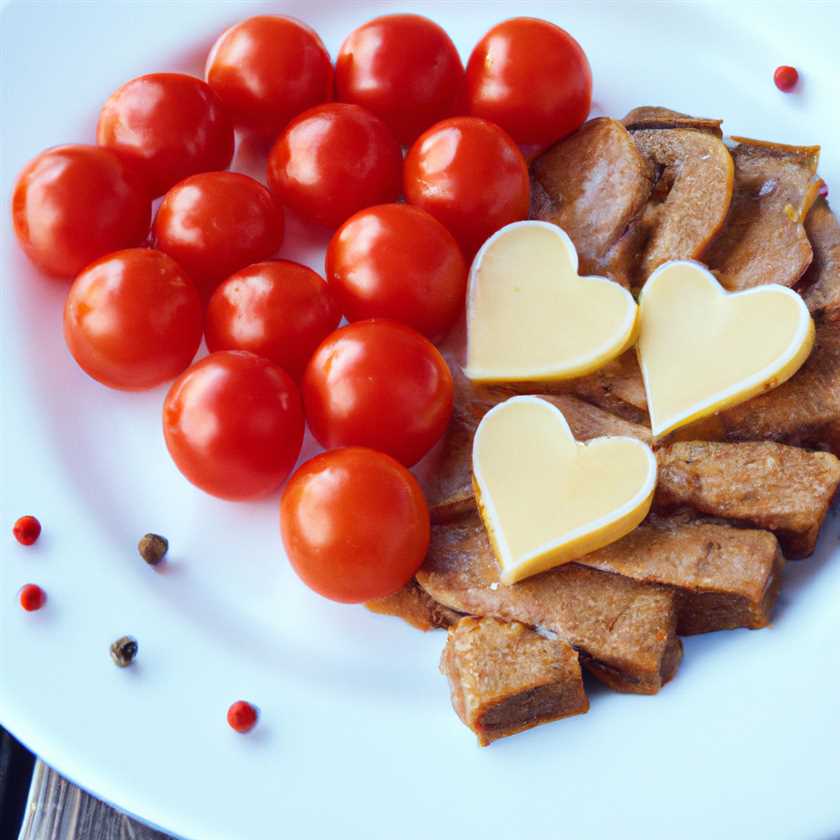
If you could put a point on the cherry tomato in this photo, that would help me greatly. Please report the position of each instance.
(531, 78)
(267, 69)
(396, 261)
(133, 319)
(233, 425)
(378, 384)
(470, 176)
(403, 68)
(355, 524)
(216, 223)
(332, 161)
(170, 124)
(73, 204)
(280, 310)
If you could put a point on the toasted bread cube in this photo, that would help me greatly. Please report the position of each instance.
(505, 677)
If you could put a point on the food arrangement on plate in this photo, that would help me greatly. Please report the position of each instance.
(641, 426)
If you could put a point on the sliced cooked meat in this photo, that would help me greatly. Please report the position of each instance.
(768, 485)
(804, 411)
(626, 629)
(448, 481)
(764, 239)
(654, 116)
(723, 577)
(617, 387)
(504, 678)
(592, 184)
(690, 199)
(821, 283)
(416, 607)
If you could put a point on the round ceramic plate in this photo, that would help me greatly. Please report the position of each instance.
(356, 736)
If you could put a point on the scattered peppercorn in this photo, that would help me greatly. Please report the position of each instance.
(153, 548)
(823, 190)
(27, 530)
(786, 78)
(242, 716)
(32, 597)
(124, 651)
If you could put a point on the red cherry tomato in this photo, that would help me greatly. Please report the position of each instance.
(233, 425)
(378, 384)
(280, 310)
(133, 319)
(355, 524)
(396, 261)
(267, 69)
(170, 124)
(216, 223)
(403, 68)
(73, 204)
(332, 161)
(531, 78)
(470, 176)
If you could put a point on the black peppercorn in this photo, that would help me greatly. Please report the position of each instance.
(153, 548)
(123, 651)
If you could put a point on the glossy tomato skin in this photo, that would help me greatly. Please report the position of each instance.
(233, 425)
(403, 68)
(381, 385)
(470, 176)
(279, 309)
(170, 125)
(397, 261)
(355, 524)
(532, 78)
(215, 223)
(268, 69)
(332, 161)
(73, 204)
(133, 319)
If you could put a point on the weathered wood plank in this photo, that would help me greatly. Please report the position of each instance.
(58, 810)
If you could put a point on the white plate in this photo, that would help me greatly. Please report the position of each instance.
(356, 737)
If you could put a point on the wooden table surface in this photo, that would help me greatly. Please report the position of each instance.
(58, 810)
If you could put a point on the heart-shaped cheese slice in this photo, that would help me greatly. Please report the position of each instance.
(545, 498)
(531, 317)
(702, 349)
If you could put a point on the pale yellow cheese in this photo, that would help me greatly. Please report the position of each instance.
(702, 349)
(531, 317)
(545, 498)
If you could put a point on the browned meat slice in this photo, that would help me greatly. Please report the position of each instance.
(447, 482)
(448, 487)
(617, 387)
(764, 239)
(690, 199)
(653, 116)
(723, 577)
(625, 630)
(592, 184)
(804, 411)
(784, 489)
(821, 283)
(505, 678)
(416, 607)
